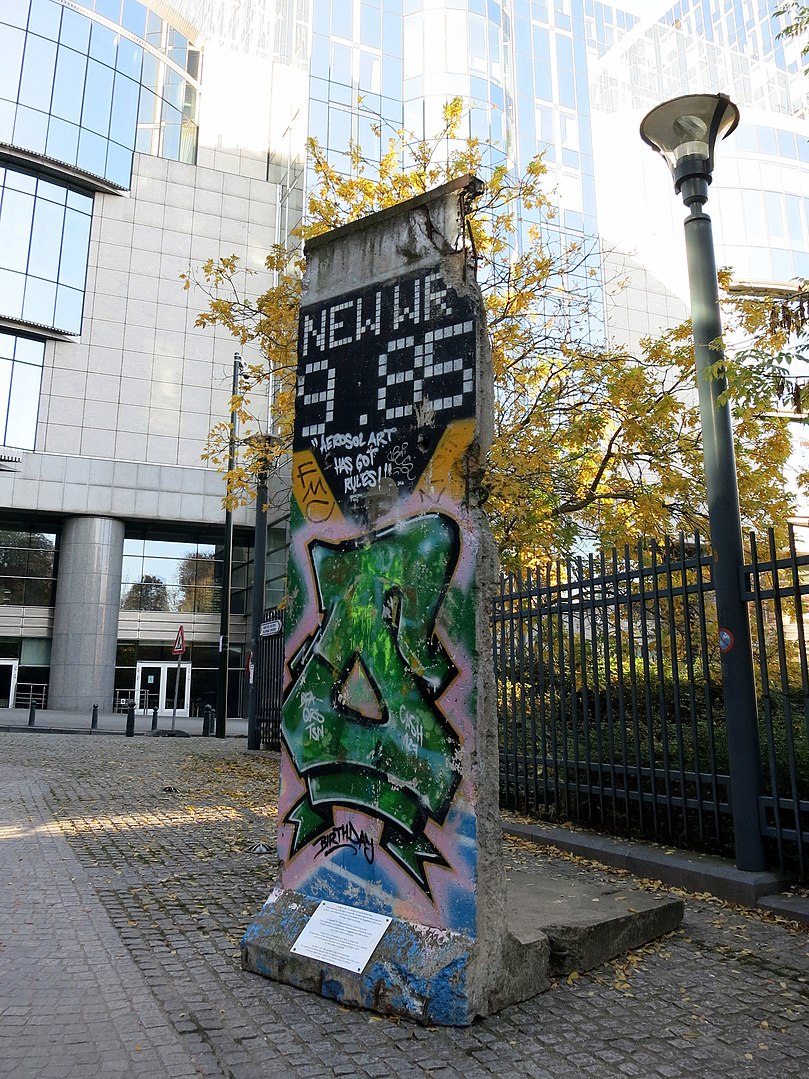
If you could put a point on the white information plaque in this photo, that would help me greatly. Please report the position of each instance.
(342, 936)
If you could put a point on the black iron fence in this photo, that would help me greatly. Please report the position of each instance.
(610, 695)
(269, 676)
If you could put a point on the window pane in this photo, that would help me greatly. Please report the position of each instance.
(92, 154)
(75, 31)
(37, 72)
(124, 111)
(30, 129)
(97, 98)
(12, 290)
(43, 258)
(16, 215)
(11, 50)
(29, 350)
(23, 406)
(130, 58)
(39, 302)
(119, 165)
(63, 140)
(69, 304)
(44, 18)
(102, 44)
(14, 12)
(69, 85)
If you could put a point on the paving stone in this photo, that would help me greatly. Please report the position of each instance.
(122, 906)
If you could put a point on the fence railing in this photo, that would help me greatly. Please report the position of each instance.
(29, 693)
(270, 678)
(610, 695)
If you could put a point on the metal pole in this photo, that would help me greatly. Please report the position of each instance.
(176, 693)
(726, 536)
(227, 572)
(259, 575)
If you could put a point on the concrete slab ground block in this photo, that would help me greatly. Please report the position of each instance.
(587, 925)
(680, 868)
(787, 905)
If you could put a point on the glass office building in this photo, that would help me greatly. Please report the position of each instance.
(141, 137)
(115, 178)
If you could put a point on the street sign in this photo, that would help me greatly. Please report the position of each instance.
(269, 629)
(179, 643)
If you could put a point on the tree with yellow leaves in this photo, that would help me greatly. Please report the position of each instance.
(590, 441)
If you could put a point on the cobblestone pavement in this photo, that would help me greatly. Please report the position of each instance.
(127, 879)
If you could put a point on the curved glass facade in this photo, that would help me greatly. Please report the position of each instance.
(85, 84)
(88, 88)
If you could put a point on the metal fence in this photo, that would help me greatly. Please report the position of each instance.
(610, 695)
(270, 678)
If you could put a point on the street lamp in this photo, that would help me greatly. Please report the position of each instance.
(263, 446)
(227, 569)
(685, 131)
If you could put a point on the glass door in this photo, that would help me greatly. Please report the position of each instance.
(155, 684)
(8, 682)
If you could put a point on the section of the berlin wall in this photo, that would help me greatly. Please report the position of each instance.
(389, 780)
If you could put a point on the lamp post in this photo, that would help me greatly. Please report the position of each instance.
(263, 444)
(685, 131)
(227, 572)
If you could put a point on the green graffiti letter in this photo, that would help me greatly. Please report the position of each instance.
(360, 719)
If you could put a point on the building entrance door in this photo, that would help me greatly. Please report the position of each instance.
(8, 682)
(154, 688)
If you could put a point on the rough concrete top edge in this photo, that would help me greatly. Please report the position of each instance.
(467, 182)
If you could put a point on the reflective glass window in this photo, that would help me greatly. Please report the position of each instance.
(44, 240)
(21, 362)
(102, 44)
(134, 17)
(75, 71)
(39, 62)
(31, 129)
(68, 86)
(15, 12)
(75, 32)
(97, 98)
(7, 111)
(45, 18)
(63, 140)
(12, 44)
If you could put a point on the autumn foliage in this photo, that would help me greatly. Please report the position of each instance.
(591, 442)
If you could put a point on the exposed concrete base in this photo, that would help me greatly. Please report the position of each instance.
(682, 869)
(586, 925)
(425, 974)
(554, 927)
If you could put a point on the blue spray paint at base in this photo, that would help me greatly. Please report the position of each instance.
(415, 971)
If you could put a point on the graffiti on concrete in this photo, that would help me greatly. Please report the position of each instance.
(379, 596)
(382, 605)
(346, 837)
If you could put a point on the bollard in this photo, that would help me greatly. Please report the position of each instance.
(32, 714)
(130, 720)
(94, 720)
(206, 721)
(154, 719)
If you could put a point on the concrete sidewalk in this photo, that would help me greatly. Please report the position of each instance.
(128, 874)
(55, 720)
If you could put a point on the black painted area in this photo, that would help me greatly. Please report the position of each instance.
(382, 372)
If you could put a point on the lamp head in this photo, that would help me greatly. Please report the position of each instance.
(685, 131)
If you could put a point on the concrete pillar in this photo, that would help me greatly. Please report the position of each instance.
(85, 623)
